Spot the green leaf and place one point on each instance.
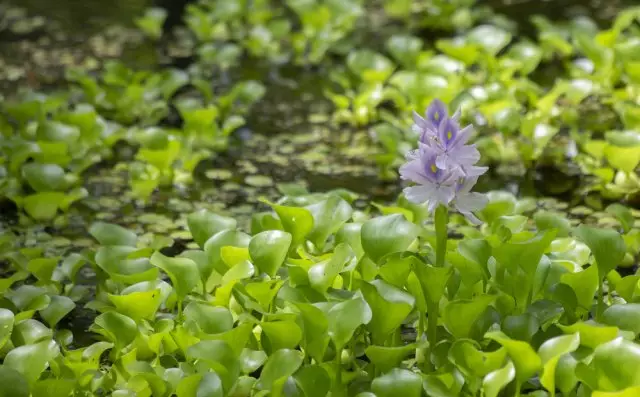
(313, 380)
(295, 220)
(623, 214)
(397, 382)
(14, 383)
(550, 353)
(42, 268)
(369, 65)
(218, 356)
(404, 48)
(183, 272)
(138, 305)
(110, 234)
(389, 305)
(521, 327)
(525, 359)
(606, 245)
(225, 238)
(207, 384)
(550, 220)
(584, 284)
(524, 254)
(43, 206)
(345, 317)
(208, 319)
(591, 334)
(433, 280)
(623, 158)
(59, 307)
(53, 387)
(625, 317)
(204, 224)
(491, 38)
(44, 177)
(385, 358)
(269, 249)
(615, 365)
(328, 217)
(497, 380)
(6, 325)
(387, 234)
(315, 330)
(30, 331)
(471, 361)
(32, 360)
(282, 364)
(459, 316)
(118, 328)
(322, 274)
(251, 360)
(281, 334)
(629, 392)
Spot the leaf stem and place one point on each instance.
(338, 369)
(432, 326)
(441, 220)
(600, 306)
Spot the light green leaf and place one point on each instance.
(269, 249)
(387, 234)
(345, 317)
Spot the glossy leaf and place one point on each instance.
(495, 381)
(387, 234)
(550, 353)
(328, 217)
(111, 234)
(606, 245)
(389, 305)
(345, 317)
(459, 316)
(525, 360)
(183, 272)
(397, 382)
(32, 360)
(279, 366)
(204, 224)
(269, 249)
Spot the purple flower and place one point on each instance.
(435, 115)
(443, 167)
(466, 201)
(433, 185)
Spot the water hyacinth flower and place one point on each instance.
(443, 167)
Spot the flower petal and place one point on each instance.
(419, 194)
(414, 171)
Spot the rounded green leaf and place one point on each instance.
(203, 224)
(207, 319)
(297, 221)
(111, 234)
(30, 331)
(387, 234)
(550, 353)
(495, 381)
(32, 360)
(345, 317)
(6, 325)
(385, 358)
(626, 317)
(315, 330)
(225, 238)
(207, 384)
(126, 264)
(251, 360)
(606, 245)
(43, 206)
(322, 274)
(269, 249)
(281, 364)
(138, 305)
(491, 38)
(14, 383)
(53, 387)
(459, 316)
(59, 307)
(183, 272)
(389, 305)
(615, 365)
(44, 177)
(118, 328)
(220, 357)
(623, 214)
(397, 382)
(525, 359)
(313, 380)
(591, 334)
(465, 355)
(281, 335)
(328, 217)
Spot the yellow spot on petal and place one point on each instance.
(434, 169)
(436, 116)
(449, 135)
